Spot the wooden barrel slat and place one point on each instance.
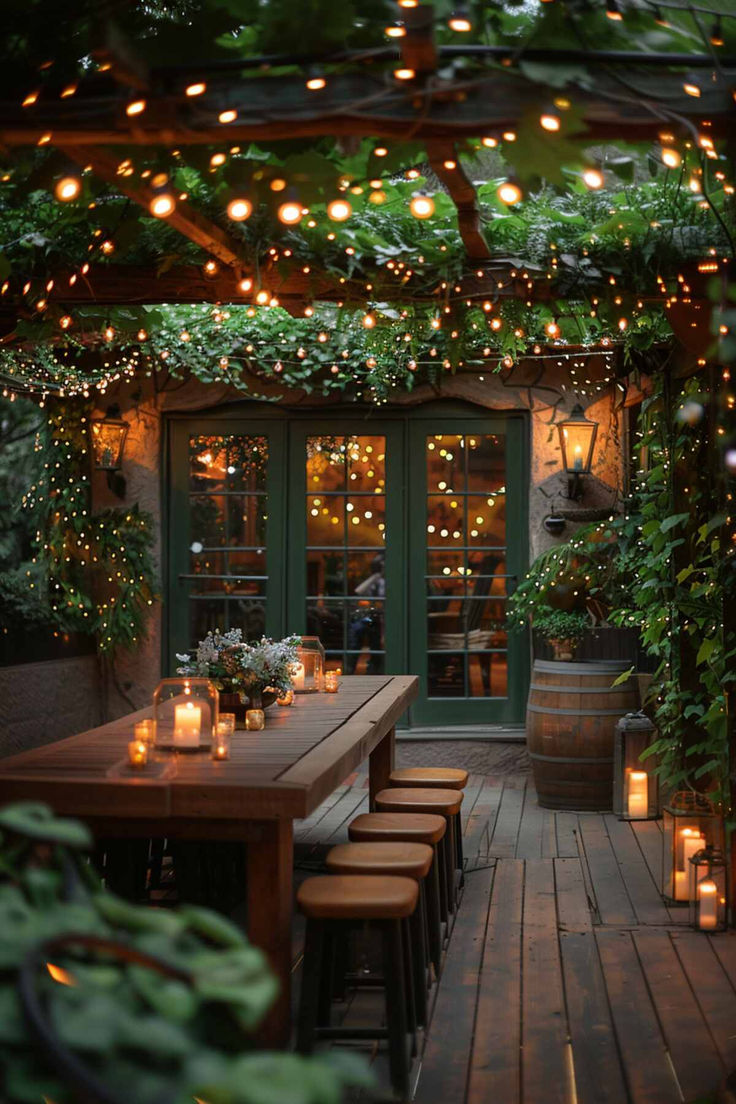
(572, 713)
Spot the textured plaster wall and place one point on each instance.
(42, 702)
(547, 396)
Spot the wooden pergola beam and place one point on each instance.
(418, 48)
(446, 165)
(184, 218)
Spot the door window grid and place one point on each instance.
(465, 599)
(346, 532)
(227, 549)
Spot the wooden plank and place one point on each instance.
(481, 822)
(446, 165)
(506, 829)
(574, 908)
(381, 764)
(545, 1072)
(642, 891)
(694, 1056)
(596, 1062)
(472, 793)
(495, 1066)
(611, 897)
(549, 835)
(529, 840)
(445, 1067)
(649, 1074)
(713, 991)
(566, 826)
(724, 946)
(648, 835)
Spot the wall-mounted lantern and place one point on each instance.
(577, 439)
(108, 443)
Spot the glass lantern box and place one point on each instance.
(635, 784)
(185, 712)
(689, 824)
(709, 902)
(309, 666)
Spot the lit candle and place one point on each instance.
(638, 797)
(299, 674)
(331, 682)
(221, 743)
(187, 724)
(577, 462)
(137, 753)
(255, 720)
(145, 732)
(226, 722)
(707, 905)
(286, 697)
(691, 841)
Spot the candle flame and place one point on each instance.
(62, 976)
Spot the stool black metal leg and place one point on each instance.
(441, 861)
(434, 911)
(422, 906)
(311, 977)
(393, 969)
(326, 980)
(459, 848)
(411, 1008)
(449, 842)
(418, 960)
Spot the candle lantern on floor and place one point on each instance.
(709, 902)
(689, 824)
(635, 785)
(185, 711)
(309, 666)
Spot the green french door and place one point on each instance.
(396, 541)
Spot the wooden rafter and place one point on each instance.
(418, 48)
(184, 218)
(446, 165)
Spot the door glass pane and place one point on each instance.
(465, 565)
(346, 540)
(228, 515)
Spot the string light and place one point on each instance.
(671, 157)
(227, 116)
(239, 209)
(550, 120)
(339, 210)
(67, 188)
(404, 74)
(593, 178)
(422, 206)
(613, 11)
(135, 107)
(395, 30)
(459, 21)
(509, 192)
(162, 205)
(290, 213)
(196, 89)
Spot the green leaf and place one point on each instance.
(674, 519)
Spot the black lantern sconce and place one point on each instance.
(577, 439)
(108, 443)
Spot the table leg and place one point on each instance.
(381, 763)
(270, 892)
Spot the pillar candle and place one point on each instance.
(187, 725)
(638, 794)
(707, 905)
(299, 674)
(137, 753)
(691, 841)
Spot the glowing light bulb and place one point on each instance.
(670, 157)
(163, 205)
(459, 22)
(67, 188)
(228, 116)
(196, 89)
(550, 121)
(509, 192)
(314, 84)
(369, 320)
(239, 209)
(135, 107)
(593, 178)
(395, 30)
(339, 210)
(421, 206)
(290, 213)
(405, 74)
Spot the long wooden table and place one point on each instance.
(272, 778)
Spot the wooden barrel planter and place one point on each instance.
(571, 717)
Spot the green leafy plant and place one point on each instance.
(155, 1005)
(554, 624)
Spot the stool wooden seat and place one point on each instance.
(395, 857)
(424, 799)
(358, 897)
(410, 827)
(444, 778)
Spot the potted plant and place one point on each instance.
(243, 673)
(562, 629)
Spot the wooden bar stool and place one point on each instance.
(414, 828)
(332, 904)
(395, 859)
(444, 778)
(439, 802)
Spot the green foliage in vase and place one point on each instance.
(553, 624)
(178, 1032)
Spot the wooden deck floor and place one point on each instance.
(566, 980)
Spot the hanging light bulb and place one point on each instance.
(162, 205)
(67, 188)
(290, 212)
(315, 80)
(421, 205)
(593, 178)
(550, 119)
(670, 157)
(716, 33)
(65, 321)
(210, 268)
(195, 89)
(227, 116)
(135, 107)
(552, 330)
(239, 209)
(395, 30)
(142, 335)
(509, 192)
(245, 285)
(339, 210)
(691, 85)
(658, 17)
(369, 320)
(109, 332)
(459, 21)
(405, 74)
(613, 11)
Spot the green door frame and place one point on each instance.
(287, 431)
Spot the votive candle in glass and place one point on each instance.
(221, 744)
(286, 697)
(145, 732)
(137, 753)
(255, 720)
(228, 721)
(332, 682)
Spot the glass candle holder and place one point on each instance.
(690, 822)
(286, 697)
(221, 744)
(226, 721)
(635, 784)
(185, 711)
(332, 682)
(137, 753)
(709, 901)
(145, 731)
(255, 720)
(307, 673)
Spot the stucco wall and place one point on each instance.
(546, 389)
(41, 702)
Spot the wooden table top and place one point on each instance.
(284, 771)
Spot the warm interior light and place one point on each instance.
(421, 206)
(339, 210)
(196, 89)
(290, 213)
(509, 192)
(67, 188)
(163, 205)
(593, 178)
(239, 209)
(135, 107)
